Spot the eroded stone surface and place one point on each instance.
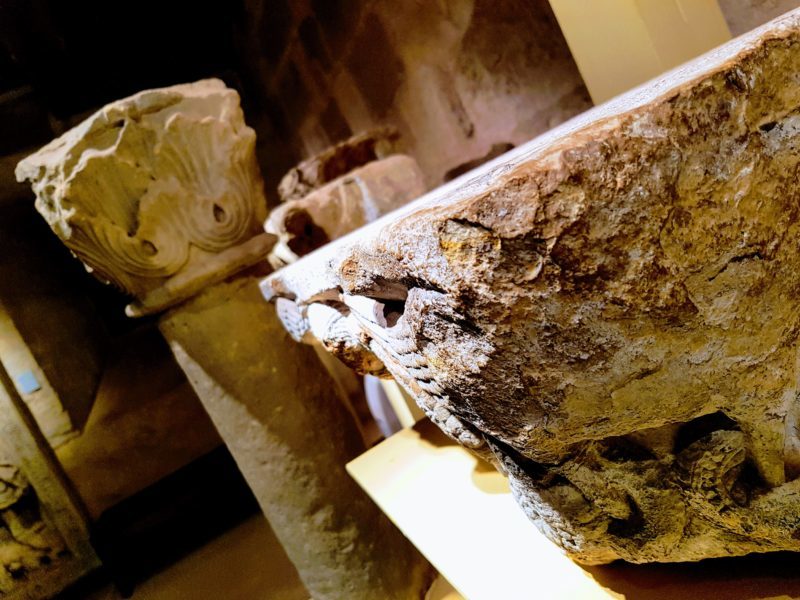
(609, 313)
(28, 544)
(336, 161)
(343, 205)
(292, 436)
(156, 193)
(44, 540)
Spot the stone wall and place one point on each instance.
(461, 79)
(744, 15)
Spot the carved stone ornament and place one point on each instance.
(157, 193)
(28, 545)
(44, 541)
(609, 313)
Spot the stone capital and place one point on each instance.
(159, 193)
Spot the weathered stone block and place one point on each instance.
(609, 312)
(44, 540)
(336, 161)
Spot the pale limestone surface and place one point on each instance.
(608, 313)
(158, 193)
(343, 205)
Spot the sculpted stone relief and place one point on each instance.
(160, 193)
(27, 543)
(44, 542)
(151, 189)
(608, 313)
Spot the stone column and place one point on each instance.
(291, 438)
(609, 312)
(333, 193)
(161, 195)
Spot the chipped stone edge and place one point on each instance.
(315, 274)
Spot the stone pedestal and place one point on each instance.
(609, 313)
(160, 194)
(278, 411)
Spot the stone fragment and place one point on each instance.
(27, 546)
(338, 160)
(609, 312)
(44, 539)
(159, 193)
(344, 204)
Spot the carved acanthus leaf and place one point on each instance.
(153, 185)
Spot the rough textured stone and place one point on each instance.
(744, 15)
(44, 540)
(26, 545)
(355, 199)
(159, 193)
(175, 217)
(338, 160)
(607, 312)
(291, 436)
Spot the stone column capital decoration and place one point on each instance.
(339, 190)
(609, 312)
(343, 205)
(337, 161)
(159, 194)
